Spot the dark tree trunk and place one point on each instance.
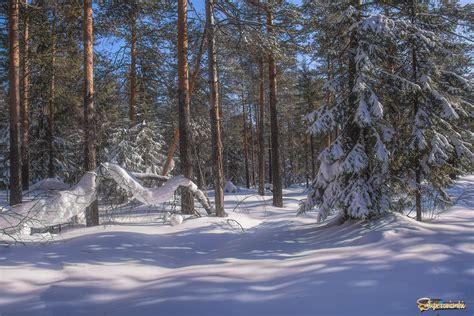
(327, 139)
(261, 129)
(51, 106)
(306, 164)
(25, 107)
(214, 111)
(270, 173)
(90, 163)
(245, 144)
(185, 142)
(276, 165)
(14, 104)
(252, 146)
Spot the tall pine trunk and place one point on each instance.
(276, 166)
(174, 145)
(25, 105)
(185, 145)
(214, 111)
(51, 106)
(92, 213)
(14, 104)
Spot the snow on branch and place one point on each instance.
(60, 206)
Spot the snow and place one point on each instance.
(53, 209)
(49, 184)
(258, 261)
(230, 187)
(61, 206)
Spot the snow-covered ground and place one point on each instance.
(275, 264)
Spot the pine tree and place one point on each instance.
(92, 214)
(214, 111)
(185, 142)
(24, 102)
(14, 94)
(275, 137)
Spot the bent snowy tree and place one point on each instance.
(59, 207)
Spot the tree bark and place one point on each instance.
(14, 104)
(90, 163)
(51, 106)
(245, 144)
(214, 111)
(197, 68)
(132, 111)
(306, 164)
(25, 106)
(261, 129)
(185, 145)
(252, 146)
(276, 166)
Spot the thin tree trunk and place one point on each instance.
(306, 164)
(276, 165)
(185, 145)
(291, 157)
(252, 146)
(261, 129)
(90, 163)
(214, 111)
(328, 100)
(313, 158)
(14, 100)
(51, 106)
(132, 111)
(25, 107)
(245, 144)
(270, 173)
(171, 152)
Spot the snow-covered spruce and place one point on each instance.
(138, 149)
(353, 169)
(391, 124)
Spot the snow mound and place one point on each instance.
(230, 187)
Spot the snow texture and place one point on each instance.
(278, 264)
(49, 184)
